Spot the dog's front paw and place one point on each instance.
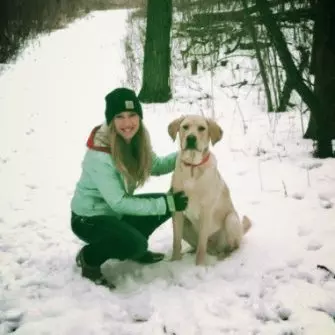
(200, 260)
(176, 257)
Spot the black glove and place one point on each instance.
(176, 202)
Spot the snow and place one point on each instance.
(50, 100)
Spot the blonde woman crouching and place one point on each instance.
(106, 215)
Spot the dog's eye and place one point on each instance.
(201, 128)
(185, 126)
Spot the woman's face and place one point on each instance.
(127, 124)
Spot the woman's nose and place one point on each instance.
(126, 121)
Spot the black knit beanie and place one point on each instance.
(120, 100)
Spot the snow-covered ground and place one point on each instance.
(49, 101)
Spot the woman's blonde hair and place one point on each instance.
(134, 159)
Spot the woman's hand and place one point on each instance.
(176, 202)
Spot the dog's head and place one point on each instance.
(195, 133)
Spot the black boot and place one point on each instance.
(150, 257)
(92, 273)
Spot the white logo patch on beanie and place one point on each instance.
(129, 104)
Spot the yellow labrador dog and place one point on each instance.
(210, 222)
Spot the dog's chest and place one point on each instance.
(196, 198)
(192, 213)
(201, 200)
(189, 185)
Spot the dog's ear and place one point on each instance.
(215, 131)
(173, 127)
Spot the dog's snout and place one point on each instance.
(191, 142)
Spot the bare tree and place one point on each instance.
(233, 28)
(318, 108)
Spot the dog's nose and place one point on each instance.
(191, 142)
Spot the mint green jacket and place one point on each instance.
(101, 189)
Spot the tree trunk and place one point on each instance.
(285, 96)
(157, 58)
(323, 64)
(288, 87)
(318, 107)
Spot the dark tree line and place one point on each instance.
(21, 20)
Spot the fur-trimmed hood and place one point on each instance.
(98, 139)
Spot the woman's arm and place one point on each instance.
(110, 184)
(163, 165)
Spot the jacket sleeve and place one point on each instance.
(110, 184)
(163, 165)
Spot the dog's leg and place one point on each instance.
(178, 225)
(205, 222)
(189, 234)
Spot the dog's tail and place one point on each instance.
(246, 224)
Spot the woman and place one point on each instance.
(105, 214)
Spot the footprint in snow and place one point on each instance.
(306, 276)
(327, 308)
(310, 165)
(139, 309)
(266, 313)
(31, 186)
(5, 247)
(3, 160)
(28, 223)
(294, 262)
(325, 203)
(11, 320)
(298, 196)
(304, 231)
(168, 331)
(314, 245)
(293, 331)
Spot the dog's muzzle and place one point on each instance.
(191, 142)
